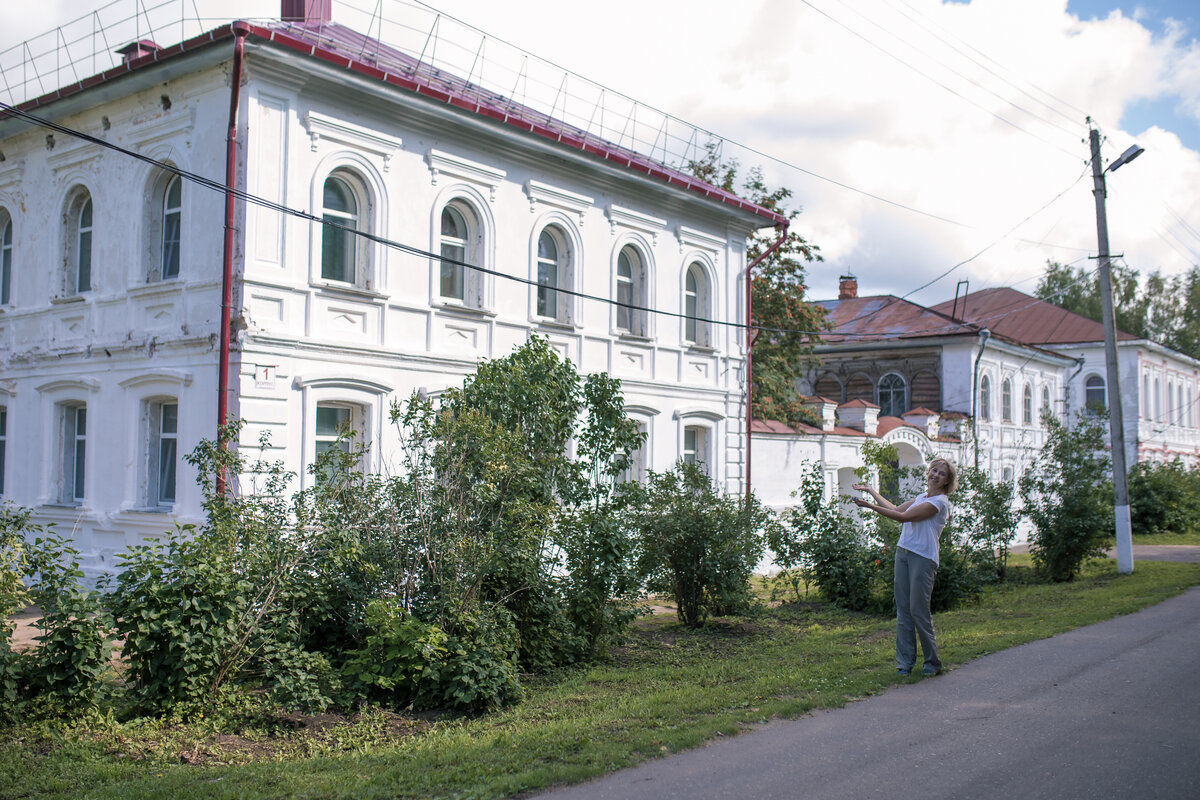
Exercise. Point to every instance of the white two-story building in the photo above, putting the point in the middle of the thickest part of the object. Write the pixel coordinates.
(114, 267)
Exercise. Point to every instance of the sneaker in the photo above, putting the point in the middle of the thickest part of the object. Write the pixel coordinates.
(929, 670)
(901, 671)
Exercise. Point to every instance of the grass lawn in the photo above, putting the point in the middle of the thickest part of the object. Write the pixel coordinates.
(667, 689)
(1191, 537)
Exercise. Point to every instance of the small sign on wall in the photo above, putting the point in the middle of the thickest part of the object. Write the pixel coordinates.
(264, 376)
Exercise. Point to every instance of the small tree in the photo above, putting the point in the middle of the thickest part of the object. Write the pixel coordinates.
(986, 516)
(697, 546)
(811, 519)
(1068, 496)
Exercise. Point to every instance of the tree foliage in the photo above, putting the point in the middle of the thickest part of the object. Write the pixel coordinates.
(1164, 309)
(1067, 496)
(784, 324)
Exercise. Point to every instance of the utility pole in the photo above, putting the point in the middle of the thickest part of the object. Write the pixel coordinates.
(1116, 416)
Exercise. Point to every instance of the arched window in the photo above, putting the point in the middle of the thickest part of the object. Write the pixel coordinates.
(78, 278)
(1179, 404)
(553, 273)
(1146, 407)
(458, 226)
(891, 396)
(696, 305)
(1006, 401)
(339, 242)
(1157, 398)
(631, 292)
(1027, 405)
(985, 398)
(6, 251)
(1046, 409)
(1093, 395)
(172, 226)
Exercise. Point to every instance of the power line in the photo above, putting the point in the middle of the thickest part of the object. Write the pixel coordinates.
(932, 79)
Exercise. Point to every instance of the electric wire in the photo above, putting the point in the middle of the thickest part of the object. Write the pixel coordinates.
(253, 199)
(934, 80)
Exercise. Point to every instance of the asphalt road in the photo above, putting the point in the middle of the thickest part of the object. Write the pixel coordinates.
(1111, 710)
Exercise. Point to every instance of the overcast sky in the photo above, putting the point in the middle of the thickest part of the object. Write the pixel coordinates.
(964, 120)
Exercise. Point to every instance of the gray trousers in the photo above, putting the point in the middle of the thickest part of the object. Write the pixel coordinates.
(914, 586)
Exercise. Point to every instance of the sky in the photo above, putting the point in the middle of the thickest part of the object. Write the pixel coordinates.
(926, 142)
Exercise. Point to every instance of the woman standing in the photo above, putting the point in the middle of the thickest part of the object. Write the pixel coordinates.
(916, 564)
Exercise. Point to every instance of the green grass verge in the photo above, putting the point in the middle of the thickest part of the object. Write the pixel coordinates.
(1191, 537)
(668, 689)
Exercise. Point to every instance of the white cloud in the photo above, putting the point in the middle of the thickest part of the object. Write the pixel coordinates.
(783, 79)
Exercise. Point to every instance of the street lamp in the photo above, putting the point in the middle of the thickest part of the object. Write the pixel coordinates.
(1116, 416)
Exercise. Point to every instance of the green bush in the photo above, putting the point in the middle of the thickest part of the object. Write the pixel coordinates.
(64, 673)
(844, 563)
(696, 545)
(1163, 498)
(985, 514)
(1068, 496)
(214, 611)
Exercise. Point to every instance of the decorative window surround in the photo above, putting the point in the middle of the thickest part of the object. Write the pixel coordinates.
(321, 127)
(440, 162)
(178, 377)
(87, 384)
(626, 218)
(65, 159)
(163, 127)
(698, 413)
(11, 174)
(690, 237)
(559, 198)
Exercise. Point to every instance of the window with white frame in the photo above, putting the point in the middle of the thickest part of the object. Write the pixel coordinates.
(1006, 401)
(1158, 399)
(985, 398)
(1027, 405)
(73, 419)
(6, 256)
(341, 209)
(631, 292)
(695, 446)
(78, 278)
(553, 273)
(1146, 407)
(1046, 408)
(1093, 393)
(1190, 417)
(1179, 404)
(163, 452)
(172, 228)
(696, 306)
(334, 427)
(635, 471)
(459, 233)
(1006, 475)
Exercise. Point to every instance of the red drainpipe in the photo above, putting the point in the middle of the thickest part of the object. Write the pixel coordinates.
(783, 234)
(240, 30)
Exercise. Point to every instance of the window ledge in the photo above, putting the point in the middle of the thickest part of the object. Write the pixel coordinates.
(67, 298)
(348, 290)
(154, 287)
(461, 308)
(66, 506)
(556, 325)
(148, 509)
(700, 349)
(634, 338)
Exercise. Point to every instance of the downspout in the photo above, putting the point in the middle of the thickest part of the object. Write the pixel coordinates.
(240, 30)
(984, 335)
(783, 234)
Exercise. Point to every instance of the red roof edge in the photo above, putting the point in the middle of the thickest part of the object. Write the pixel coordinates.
(593, 147)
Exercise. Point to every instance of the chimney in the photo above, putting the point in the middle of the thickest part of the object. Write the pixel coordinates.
(847, 287)
(135, 50)
(307, 11)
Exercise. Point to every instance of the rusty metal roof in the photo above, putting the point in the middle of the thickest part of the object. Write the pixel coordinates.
(882, 317)
(1024, 318)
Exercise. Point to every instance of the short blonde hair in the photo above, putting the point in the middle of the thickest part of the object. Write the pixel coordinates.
(951, 474)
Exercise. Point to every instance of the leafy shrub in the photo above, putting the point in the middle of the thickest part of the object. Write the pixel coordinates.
(64, 672)
(697, 546)
(212, 611)
(985, 514)
(1163, 498)
(14, 524)
(843, 562)
(1068, 496)
(411, 663)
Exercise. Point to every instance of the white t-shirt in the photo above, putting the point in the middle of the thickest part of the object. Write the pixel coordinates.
(922, 537)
